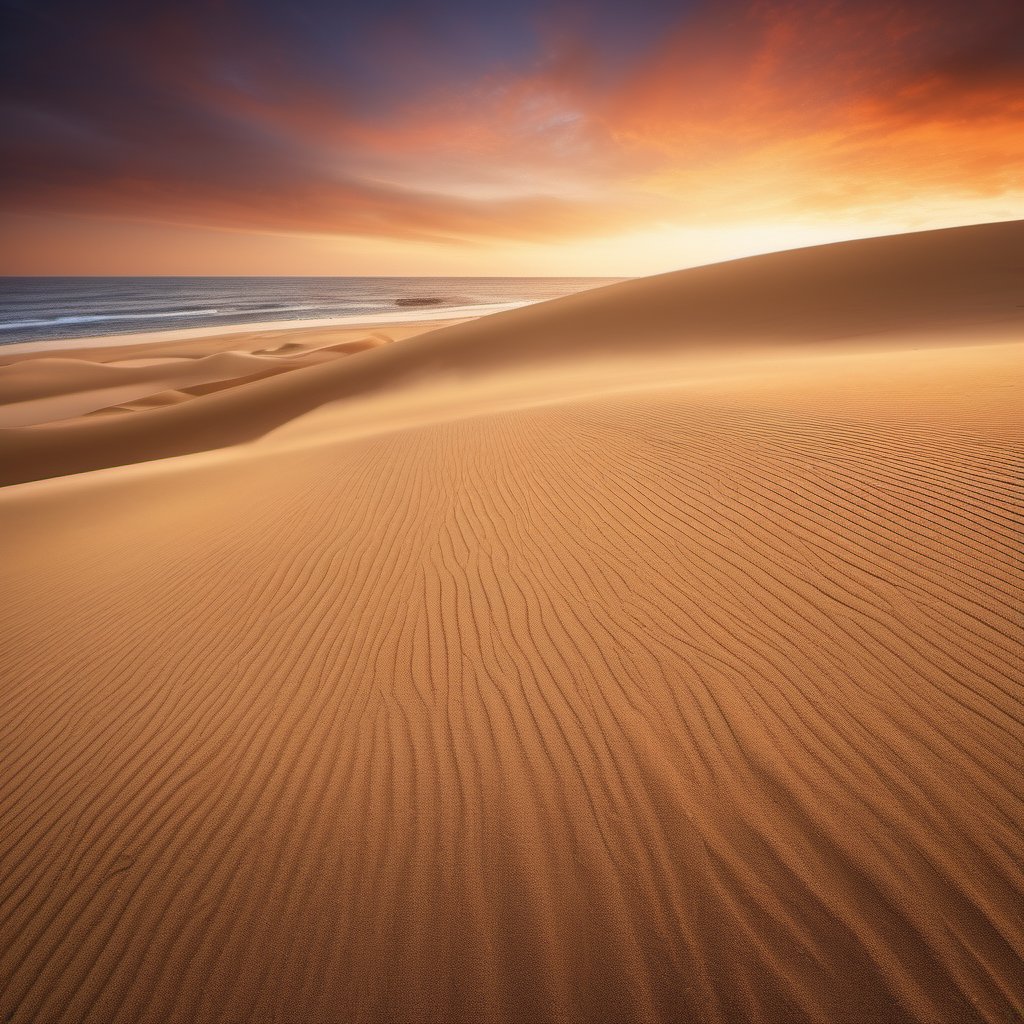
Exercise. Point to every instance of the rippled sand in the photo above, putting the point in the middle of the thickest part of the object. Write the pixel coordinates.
(651, 654)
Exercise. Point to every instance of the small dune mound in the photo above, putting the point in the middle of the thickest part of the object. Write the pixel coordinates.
(161, 400)
(80, 388)
(359, 344)
(45, 377)
(288, 348)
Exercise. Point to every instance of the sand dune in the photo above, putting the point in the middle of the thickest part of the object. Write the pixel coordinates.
(499, 682)
(927, 288)
(47, 390)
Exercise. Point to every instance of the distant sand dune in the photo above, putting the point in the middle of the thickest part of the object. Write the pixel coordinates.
(689, 697)
(43, 391)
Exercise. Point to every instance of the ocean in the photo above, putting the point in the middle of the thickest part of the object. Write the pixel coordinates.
(42, 308)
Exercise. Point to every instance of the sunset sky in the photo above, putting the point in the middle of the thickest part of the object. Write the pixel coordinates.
(444, 137)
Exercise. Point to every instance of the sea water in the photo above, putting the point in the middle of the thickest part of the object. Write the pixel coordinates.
(42, 308)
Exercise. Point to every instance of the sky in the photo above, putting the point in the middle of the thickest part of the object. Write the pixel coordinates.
(457, 137)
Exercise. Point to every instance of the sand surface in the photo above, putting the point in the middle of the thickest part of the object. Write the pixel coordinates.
(653, 654)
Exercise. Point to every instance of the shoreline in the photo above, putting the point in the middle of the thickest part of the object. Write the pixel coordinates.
(414, 318)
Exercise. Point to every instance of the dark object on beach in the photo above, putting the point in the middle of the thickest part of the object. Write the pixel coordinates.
(428, 300)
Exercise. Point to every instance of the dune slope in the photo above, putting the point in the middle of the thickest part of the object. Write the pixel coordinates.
(698, 699)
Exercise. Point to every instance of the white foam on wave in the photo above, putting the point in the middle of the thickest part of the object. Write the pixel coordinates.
(100, 318)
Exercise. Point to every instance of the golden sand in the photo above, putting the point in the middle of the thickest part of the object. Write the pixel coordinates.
(651, 654)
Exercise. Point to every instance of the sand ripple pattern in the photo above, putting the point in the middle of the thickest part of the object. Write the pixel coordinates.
(665, 709)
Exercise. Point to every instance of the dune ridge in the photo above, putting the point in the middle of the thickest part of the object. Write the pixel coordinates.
(689, 697)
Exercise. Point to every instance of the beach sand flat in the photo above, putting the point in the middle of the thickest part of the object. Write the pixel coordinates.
(651, 654)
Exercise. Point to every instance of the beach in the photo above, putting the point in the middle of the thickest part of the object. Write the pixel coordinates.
(647, 654)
